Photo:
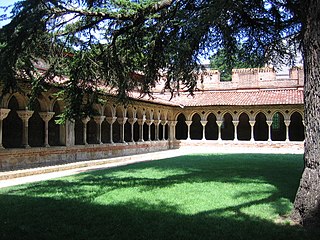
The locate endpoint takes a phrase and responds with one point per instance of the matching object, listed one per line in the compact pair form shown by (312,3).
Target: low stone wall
(239,146)
(13,159)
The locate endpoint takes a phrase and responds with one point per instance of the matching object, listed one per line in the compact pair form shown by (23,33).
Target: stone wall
(12,159)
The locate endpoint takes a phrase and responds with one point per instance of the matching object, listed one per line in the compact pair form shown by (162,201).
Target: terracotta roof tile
(229,98)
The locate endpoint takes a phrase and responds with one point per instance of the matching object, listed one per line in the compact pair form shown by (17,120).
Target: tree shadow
(44,218)
(73,210)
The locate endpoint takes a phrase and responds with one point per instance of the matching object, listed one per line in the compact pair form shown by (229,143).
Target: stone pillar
(219,123)
(269,130)
(3,114)
(25,115)
(149,122)
(204,123)
(69,133)
(99,120)
(122,122)
(46,117)
(287,123)
(132,122)
(163,123)
(188,124)
(111,120)
(85,122)
(141,122)
(252,123)
(172,130)
(235,124)
(156,124)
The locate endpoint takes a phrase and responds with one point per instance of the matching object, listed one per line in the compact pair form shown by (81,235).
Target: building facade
(257,108)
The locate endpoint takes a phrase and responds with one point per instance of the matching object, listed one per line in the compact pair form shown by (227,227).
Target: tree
(103,42)
(224,62)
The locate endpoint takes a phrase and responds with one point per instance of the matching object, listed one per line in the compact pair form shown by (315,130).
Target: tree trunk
(307,202)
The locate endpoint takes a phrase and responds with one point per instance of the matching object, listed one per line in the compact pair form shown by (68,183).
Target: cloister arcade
(245,125)
(23,128)
(33,138)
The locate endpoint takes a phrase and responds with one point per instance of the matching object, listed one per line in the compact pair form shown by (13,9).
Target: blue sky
(5,3)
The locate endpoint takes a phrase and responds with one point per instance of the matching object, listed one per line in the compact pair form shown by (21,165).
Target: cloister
(30,138)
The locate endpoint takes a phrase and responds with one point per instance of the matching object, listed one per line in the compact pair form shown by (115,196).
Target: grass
(191,197)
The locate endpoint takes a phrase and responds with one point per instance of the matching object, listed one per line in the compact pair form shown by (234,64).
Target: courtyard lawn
(235,196)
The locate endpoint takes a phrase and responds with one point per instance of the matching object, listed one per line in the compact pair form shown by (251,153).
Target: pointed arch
(227,128)
(244,128)
(196,127)
(181,127)
(296,128)
(211,127)
(36,127)
(278,128)
(12,126)
(261,127)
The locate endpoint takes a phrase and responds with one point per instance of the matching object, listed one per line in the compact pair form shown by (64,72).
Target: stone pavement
(17,177)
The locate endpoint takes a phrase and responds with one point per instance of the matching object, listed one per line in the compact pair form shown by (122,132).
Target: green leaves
(100,45)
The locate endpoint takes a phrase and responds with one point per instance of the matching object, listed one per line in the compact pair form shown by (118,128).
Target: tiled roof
(230,98)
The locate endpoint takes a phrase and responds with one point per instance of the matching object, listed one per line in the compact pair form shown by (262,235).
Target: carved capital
(235,122)
(4,113)
(46,116)
(85,120)
(149,122)
(24,114)
(99,119)
(141,121)
(164,122)
(122,121)
(203,123)
(269,122)
(252,123)
(287,122)
(157,122)
(173,123)
(188,123)
(132,120)
(219,123)
(111,120)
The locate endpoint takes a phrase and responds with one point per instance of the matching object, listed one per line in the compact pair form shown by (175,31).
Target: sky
(4,3)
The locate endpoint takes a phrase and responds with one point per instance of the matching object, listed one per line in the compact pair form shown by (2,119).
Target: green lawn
(236,196)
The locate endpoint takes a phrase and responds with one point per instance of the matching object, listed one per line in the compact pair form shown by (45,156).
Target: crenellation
(252,78)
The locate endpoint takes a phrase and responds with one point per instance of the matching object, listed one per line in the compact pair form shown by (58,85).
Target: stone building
(257,108)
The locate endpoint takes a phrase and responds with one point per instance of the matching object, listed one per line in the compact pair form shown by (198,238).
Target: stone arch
(227,128)
(109,110)
(296,128)
(244,128)
(44,102)
(157,114)
(196,128)
(12,125)
(55,130)
(278,128)
(131,112)
(92,131)
(260,128)
(181,127)
(36,127)
(141,113)
(211,131)
(21,100)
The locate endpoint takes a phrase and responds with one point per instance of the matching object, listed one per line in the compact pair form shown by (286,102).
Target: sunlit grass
(191,197)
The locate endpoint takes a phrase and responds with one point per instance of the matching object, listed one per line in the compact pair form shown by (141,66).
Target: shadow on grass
(28,213)
(30,218)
